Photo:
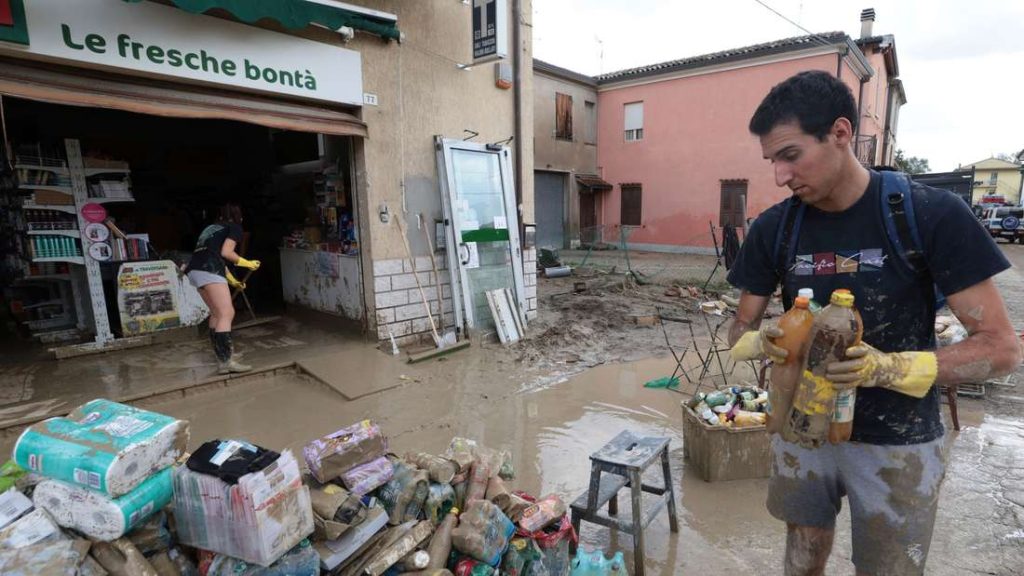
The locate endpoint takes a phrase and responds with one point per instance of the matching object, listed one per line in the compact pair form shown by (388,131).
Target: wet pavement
(551,420)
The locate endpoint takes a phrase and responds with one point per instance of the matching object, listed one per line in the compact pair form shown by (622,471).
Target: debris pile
(110,490)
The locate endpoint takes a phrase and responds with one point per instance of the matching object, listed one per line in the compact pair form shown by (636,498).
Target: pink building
(673,138)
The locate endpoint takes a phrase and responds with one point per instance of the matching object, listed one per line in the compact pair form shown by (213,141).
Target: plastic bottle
(796,326)
(808,293)
(836,328)
(842,413)
(441,542)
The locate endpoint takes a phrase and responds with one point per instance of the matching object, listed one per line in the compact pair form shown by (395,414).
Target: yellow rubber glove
(757,345)
(910,373)
(250,264)
(235,283)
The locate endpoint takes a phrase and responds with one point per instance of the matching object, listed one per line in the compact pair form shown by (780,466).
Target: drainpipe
(517,90)
(888,124)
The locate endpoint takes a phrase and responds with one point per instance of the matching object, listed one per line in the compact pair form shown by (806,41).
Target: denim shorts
(200,278)
(893,493)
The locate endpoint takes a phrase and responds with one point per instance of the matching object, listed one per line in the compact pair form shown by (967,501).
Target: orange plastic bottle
(841,427)
(836,328)
(796,325)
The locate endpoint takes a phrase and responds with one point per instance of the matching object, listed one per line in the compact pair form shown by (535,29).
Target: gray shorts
(200,278)
(893,493)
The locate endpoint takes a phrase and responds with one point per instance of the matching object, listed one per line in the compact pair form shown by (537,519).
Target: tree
(911,164)
(1011,157)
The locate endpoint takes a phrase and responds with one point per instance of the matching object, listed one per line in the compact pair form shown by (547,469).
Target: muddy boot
(224,349)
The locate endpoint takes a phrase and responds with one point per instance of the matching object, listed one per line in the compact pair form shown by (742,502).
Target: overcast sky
(961,61)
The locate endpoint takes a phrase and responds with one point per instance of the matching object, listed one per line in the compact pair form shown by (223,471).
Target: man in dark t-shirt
(893,466)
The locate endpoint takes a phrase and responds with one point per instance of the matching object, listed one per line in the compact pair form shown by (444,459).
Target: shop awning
(161,99)
(592,183)
(294,14)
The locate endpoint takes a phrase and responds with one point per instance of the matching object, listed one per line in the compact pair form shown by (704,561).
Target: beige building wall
(550,153)
(571,157)
(421,92)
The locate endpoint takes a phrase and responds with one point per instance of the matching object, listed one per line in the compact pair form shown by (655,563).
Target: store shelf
(43,278)
(95,171)
(68,233)
(68,208)
(50,323)
(109,200)
(55,169)
(69,259)
(61,189)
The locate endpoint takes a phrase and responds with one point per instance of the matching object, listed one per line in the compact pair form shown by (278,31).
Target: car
(1004,222)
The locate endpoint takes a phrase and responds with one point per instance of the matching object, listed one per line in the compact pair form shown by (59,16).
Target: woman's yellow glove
(235,282)
(250,264)
(910,373)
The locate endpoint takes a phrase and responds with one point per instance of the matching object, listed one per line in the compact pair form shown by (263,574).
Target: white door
(481,227)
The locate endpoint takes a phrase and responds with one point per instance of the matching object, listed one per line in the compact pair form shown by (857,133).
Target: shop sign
(490,30)
(147,296)
(155,40)
(93,212)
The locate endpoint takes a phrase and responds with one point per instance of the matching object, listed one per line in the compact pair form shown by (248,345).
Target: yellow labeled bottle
(842,414)
(796,325)
(836,328)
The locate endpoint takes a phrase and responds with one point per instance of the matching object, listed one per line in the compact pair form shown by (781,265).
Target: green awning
(294,14)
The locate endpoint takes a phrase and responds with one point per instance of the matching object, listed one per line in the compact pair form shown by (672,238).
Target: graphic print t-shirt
(851,249)
(206,256)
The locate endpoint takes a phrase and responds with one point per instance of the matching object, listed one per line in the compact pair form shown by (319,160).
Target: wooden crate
(721,453)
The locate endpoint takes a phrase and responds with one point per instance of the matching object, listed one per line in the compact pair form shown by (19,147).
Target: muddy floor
(557,397)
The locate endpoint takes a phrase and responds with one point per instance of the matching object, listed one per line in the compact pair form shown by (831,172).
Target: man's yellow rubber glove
(235,283)
(910,373)
(757,345)
(250,264)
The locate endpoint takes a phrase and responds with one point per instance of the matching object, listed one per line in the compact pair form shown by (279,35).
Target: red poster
(6,18)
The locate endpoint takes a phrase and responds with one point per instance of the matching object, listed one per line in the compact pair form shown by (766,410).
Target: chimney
(867,21)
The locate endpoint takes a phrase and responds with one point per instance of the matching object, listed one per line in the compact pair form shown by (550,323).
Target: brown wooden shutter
(632,205)
(563,116)
(733,207)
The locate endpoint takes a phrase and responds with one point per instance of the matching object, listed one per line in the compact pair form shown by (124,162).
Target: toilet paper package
(103,446)
(98,516)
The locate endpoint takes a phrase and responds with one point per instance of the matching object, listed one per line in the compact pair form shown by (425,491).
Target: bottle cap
(802,302)
(806,293)
(842,298)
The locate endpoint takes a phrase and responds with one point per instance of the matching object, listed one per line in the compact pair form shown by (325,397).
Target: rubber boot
(224,349)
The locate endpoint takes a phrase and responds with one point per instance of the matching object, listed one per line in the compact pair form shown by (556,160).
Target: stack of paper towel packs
(107,466)
(257,519)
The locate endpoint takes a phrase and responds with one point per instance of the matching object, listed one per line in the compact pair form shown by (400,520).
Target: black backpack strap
(901,226)
(785,243)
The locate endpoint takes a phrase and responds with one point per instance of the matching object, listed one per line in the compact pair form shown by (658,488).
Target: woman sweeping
(208,272)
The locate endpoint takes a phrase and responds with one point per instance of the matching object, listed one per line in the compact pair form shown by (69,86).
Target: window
(563,116)
(632,201)
(634,121)
(590,128)
(993,177)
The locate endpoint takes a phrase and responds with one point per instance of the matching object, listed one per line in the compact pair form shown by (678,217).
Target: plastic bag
(553,543)
(483,532)
(440,499)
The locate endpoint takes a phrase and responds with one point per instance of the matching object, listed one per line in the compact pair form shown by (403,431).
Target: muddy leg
(807,550)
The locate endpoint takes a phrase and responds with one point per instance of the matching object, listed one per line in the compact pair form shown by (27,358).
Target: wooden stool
(625,459)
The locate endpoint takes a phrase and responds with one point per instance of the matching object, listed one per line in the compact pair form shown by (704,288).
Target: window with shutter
(633,114)
(563,116)
(733,207)
(632,205)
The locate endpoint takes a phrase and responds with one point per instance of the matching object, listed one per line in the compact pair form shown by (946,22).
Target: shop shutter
(68,86)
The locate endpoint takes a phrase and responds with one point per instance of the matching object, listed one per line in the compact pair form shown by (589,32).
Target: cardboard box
(724,453)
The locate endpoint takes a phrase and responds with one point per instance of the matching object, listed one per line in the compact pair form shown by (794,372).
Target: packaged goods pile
(110,490)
